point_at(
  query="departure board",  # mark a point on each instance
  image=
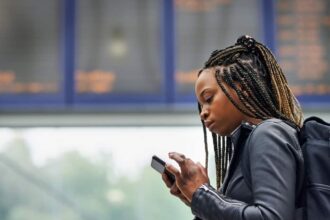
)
(30, 47)
(303, 38)
(68, 53)
(119, 48)
(202, 26)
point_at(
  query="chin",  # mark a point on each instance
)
(222, 132)
(217, 131)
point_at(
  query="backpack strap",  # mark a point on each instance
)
(317, 119)
(311, 130)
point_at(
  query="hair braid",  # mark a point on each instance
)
(243, 98)
(205, 140)
(245, 82)
(217, 159)
(221, 146)
(259, 91)
(288, 104)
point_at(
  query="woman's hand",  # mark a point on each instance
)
(191, 177)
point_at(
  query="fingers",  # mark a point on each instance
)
(182, 161)
(173, 170)
(166, 180)
(179, 158)
(175, 190)
(188, 177)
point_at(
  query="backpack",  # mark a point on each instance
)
(314, 197)
(315, 145)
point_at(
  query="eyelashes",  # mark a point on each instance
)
(209, 99)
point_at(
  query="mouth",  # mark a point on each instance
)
(208, 124)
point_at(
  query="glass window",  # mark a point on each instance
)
(29, 47)
(119, 47)
(204, 26)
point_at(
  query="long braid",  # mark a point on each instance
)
(230, 149)
(251, 75)
(218, 157)
(221, 149)
(264, 91)
(260, 107)
(288, 104)
(205, 140)
(243, 98)
(223, 153)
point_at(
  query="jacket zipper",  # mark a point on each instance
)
(219, 197)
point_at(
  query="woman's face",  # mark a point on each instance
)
(218, 113)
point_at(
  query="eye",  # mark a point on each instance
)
(209, 99)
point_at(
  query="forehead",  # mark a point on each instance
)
(206, 79)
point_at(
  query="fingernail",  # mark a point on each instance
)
(170, 154)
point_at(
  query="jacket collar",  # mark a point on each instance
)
(243, 130)
(238, 136)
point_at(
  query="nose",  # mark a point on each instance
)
(204, 113)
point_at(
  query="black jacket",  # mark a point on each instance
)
(263, 179)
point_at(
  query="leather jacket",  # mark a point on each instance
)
(263, 179)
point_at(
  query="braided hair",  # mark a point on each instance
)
(263, 91)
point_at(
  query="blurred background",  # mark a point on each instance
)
(91, 89)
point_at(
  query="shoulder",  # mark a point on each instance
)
(272, 142)
(276, 124)
(275, 127)
(274, 132)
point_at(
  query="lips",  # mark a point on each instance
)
(208, 124)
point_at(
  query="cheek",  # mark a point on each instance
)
(227, 117)
(223, 108)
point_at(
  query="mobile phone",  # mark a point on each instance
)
(159, 165)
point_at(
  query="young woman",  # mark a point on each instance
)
(245, 101)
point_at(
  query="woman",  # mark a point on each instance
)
(245, 101)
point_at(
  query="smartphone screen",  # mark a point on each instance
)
(159, 165)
